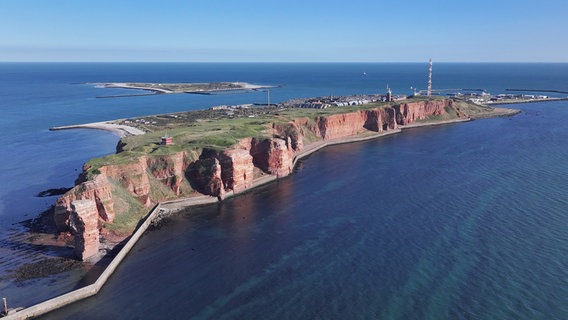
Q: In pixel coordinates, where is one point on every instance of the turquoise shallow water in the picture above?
(464, 221)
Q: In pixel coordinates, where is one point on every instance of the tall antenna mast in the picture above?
(430, 78)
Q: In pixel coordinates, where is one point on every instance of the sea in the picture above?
(458, 221)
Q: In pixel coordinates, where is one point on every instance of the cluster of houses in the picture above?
(226, 107)
(230, 110)
(475, 97)
(501, 97)
(485, 97)
(342, 101)
(138, 121)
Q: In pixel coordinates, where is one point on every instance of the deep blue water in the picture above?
(464, 221)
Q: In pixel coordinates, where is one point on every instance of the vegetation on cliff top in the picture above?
(218, 129)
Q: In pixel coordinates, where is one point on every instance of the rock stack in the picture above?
(83, 221)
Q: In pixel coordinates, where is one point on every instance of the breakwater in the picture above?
(518, 101)
(93, 289)
(538, 90)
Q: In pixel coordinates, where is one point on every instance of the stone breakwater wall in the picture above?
(90, 290)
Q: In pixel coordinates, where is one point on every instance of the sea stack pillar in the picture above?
(83, 221)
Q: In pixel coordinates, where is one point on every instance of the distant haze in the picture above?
(284, 31)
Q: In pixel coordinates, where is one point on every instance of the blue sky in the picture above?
(284, 31)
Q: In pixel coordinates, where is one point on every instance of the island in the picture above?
(187, 87)
(204, 156)
(167, 162)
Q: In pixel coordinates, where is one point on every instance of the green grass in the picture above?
(214, 134)
(472, 109)
(158, 190)
(128, 210)
(193, 131)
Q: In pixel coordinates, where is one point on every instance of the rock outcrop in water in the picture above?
(84, 225)
(147, 180)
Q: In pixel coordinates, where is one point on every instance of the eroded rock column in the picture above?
(83, 222)
(236, 169)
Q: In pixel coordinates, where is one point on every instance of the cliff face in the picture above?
(237, 169)
(84, 226)
(205, 176)
(273, 156)
(169, 170)
(217, 172)
(407, 113)
(99, 190)
(132, 176)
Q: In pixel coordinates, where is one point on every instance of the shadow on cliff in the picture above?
(204, 174)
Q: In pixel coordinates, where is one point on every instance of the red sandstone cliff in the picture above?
(84, 226)
(98, 190)
(273, 156)
(150, 179)
(407, 113)
(237, 169)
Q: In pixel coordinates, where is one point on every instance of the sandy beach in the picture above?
(123, 85)
(118, 129)
(160, 88)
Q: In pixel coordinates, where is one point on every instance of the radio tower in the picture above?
(430, 78)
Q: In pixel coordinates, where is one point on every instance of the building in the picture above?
(389, 94)
(166, 140)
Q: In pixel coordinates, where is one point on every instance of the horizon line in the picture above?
(288, 62)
